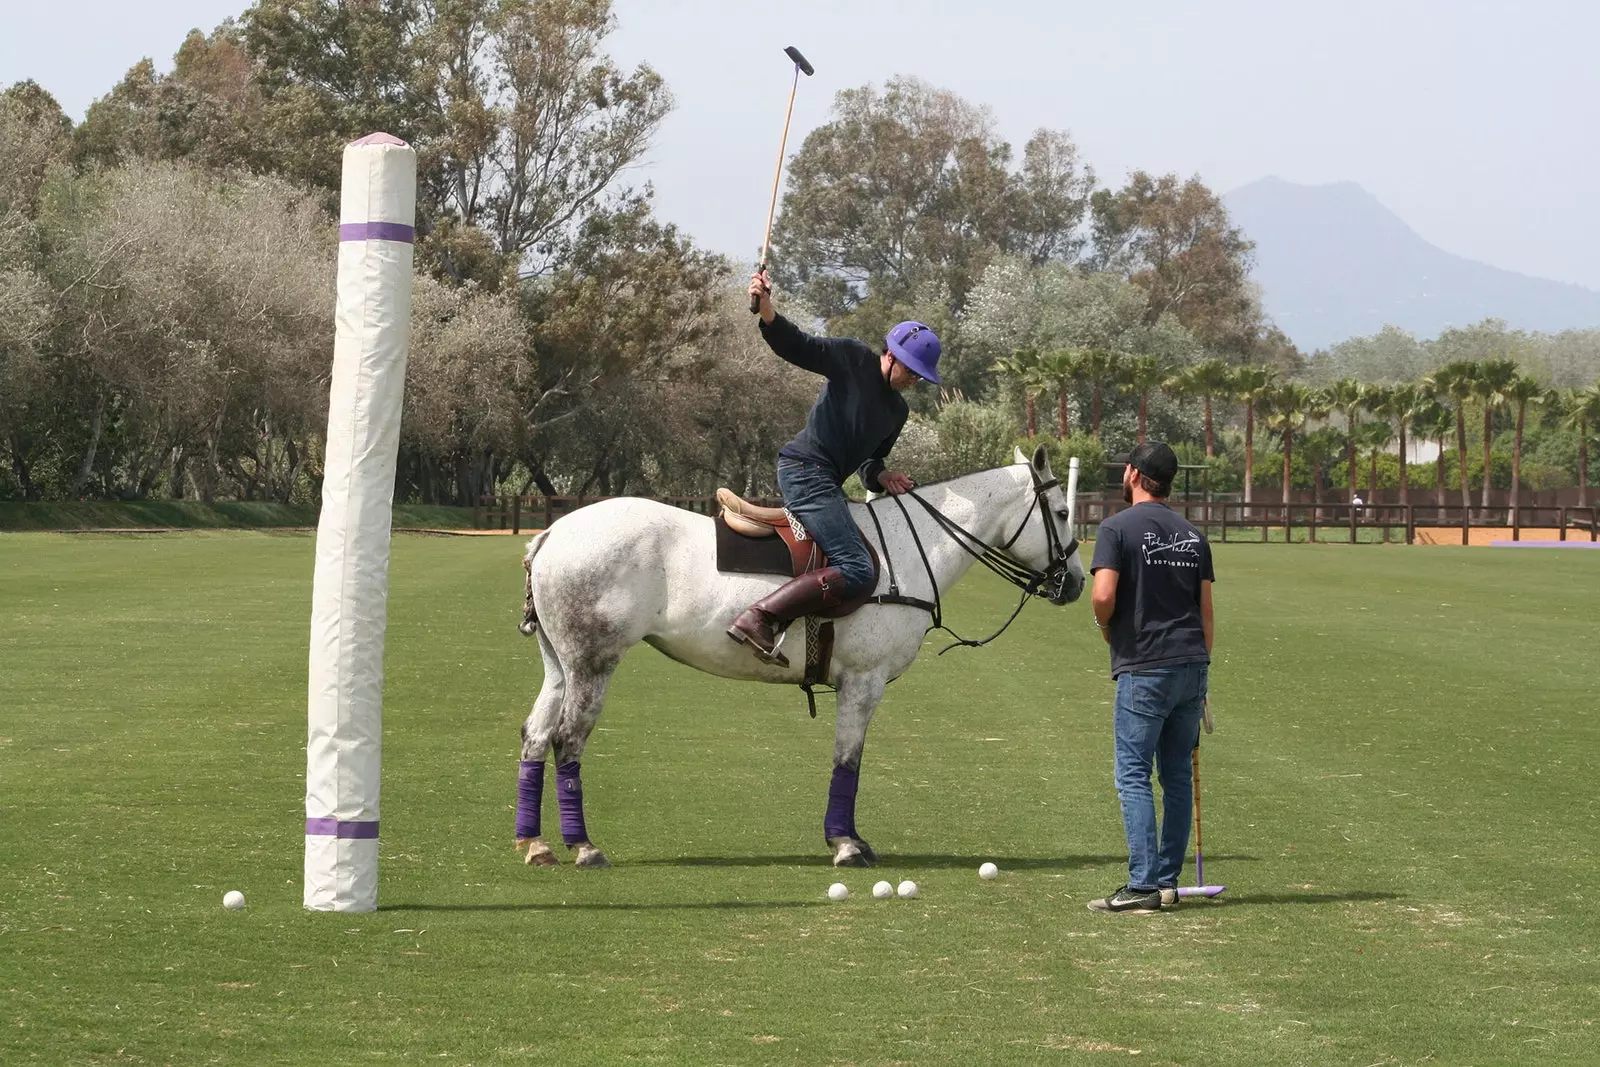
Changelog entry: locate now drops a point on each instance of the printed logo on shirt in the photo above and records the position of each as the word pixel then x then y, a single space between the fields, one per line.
pixel 1175 550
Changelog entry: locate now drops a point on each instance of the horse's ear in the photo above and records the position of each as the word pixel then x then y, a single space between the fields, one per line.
pixel 1041 459
pixel 1020 457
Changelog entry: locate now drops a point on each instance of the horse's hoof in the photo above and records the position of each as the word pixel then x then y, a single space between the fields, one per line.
pixel 538 853
pixel 866 850
pixel 847 854
pixel 591 857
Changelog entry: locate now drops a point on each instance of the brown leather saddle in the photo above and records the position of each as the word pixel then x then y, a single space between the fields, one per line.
pixel 752 539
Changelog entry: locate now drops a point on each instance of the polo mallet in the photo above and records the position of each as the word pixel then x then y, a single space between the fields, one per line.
pixel 800 66
pixel 1200 889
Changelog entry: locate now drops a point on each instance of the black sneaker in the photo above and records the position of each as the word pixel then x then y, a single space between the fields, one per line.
pixel 1127 901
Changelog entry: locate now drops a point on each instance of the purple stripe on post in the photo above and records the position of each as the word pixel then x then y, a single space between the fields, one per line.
pixel 359 831
pixel 377 231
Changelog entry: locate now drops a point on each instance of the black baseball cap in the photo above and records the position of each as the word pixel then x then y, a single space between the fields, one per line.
pixel 1155 461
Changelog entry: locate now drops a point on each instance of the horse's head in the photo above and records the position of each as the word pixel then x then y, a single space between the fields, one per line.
pixel 1056 551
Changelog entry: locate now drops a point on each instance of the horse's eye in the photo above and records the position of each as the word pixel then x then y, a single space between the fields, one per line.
pixel 1063 514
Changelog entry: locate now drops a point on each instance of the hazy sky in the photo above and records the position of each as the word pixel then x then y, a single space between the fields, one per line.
pixel 1476 122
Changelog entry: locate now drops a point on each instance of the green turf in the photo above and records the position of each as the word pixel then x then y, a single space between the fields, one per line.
pixel 1399 796
pixel 191 514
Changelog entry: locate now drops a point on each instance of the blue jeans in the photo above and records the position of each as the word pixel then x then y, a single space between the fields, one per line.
pixel 813 497
pixel 1157 721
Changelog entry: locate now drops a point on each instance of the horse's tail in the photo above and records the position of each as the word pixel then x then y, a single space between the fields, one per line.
pixel 530 613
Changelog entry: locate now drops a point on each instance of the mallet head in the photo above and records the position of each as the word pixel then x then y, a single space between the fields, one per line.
pixel 799 60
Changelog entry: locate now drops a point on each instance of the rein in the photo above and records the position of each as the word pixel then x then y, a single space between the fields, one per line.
pixel 998 559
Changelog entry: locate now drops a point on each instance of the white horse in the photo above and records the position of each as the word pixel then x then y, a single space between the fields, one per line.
pixel 625 570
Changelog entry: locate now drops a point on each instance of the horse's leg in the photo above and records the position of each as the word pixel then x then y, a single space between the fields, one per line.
pixel 585 696
pixel 859 695
pixel 536 734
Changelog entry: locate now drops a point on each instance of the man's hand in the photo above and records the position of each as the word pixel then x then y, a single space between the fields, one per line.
pixel 761 291
pixel 894 483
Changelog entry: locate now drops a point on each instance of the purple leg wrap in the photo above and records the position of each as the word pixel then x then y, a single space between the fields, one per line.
pixel 569 798
pixel 841 818
pixel 530 794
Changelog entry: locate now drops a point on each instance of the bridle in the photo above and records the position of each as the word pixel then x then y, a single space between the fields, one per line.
pixel 1050 582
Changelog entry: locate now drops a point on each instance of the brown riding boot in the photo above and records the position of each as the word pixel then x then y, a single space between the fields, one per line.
pixel 800 597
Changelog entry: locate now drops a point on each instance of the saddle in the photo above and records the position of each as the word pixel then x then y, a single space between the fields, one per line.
pixel 752 539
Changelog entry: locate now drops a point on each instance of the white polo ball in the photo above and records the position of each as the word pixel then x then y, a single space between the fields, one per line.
pixel 883 891
pixel 908 889
pixel 233 900
pixel 838 891
pixel 988 872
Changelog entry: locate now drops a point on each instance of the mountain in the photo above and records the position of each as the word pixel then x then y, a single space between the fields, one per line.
pixel 1333 262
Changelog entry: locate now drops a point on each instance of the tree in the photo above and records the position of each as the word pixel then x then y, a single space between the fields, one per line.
pixel 1457 380
pixel 1206 379
pixel 1519 393
pixel 1174 240
pixel 1024 367
pixel 1580 412
pixel 1376 437
pixel 1402 404
pixel 1056 372
pixel 1288 408
pixel 1097 368
pixel 909 188
pixel 1434 420
pixel 1348 396
pixel 1252 386
pixel 1319 449
pixel 1139 375
pixel 1495 378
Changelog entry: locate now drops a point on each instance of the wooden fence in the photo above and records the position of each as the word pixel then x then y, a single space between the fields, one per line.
pixel 1220 520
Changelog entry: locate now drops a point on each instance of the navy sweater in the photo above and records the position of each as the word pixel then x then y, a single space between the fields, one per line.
pixel 856 418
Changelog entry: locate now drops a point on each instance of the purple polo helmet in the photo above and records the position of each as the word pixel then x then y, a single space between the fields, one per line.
pixel 917 347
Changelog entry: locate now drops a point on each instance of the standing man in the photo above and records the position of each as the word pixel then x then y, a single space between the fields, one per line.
pixel 1152 602
pixel 852 426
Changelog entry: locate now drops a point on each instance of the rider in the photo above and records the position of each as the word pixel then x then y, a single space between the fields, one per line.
pixel 852 426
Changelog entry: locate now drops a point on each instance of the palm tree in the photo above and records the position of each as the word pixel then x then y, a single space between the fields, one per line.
pixel 1057 372
pixel 1457 381
pixel 1252 386
pixel 1522 391
pixel 1020 366
pixel 1320 448
pixel 1097 368
pixel 1140 374
pixel 1402 404
pixel 1580 411
pixel 1494 379
pixel 1434 421
pixel 1376 437
pixel 1349 397
pixel 1291 404
pixel 1206 379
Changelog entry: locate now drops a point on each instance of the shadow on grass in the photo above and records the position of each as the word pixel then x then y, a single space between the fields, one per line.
pixel 919 861
pixel 1357 896
pixel 700 905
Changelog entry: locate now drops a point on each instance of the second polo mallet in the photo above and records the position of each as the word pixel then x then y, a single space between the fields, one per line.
pixel 801 66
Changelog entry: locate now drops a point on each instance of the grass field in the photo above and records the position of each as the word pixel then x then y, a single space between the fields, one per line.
pixel 191 514
pixel 1400 796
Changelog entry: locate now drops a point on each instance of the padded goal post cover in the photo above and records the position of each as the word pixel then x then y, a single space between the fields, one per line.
pixel 350 588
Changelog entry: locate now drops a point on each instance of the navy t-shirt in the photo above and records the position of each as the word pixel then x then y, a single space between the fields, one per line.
pixel 1160 562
